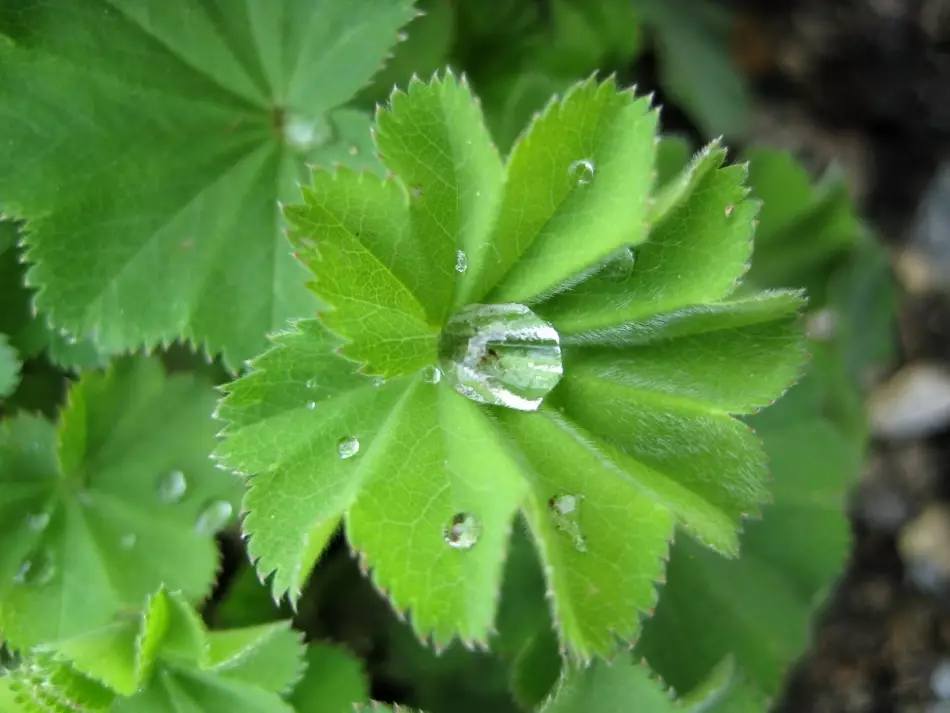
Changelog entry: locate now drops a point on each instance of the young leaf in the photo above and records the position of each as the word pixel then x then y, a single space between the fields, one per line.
pixel 9 367
pixel 164 659
pixel 186 124
pixel 603 428
pixel 94 506
pixel 41 685
pixel 334 682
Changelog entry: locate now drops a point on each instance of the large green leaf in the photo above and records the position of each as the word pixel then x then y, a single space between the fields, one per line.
pixel 149 143
pixel 334 682
pixel 638 435
pixel 93 507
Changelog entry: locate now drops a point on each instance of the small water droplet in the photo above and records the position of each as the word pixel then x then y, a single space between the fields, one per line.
pixel 462 532
pixel 432 375
pixel 378 381
pixel 565 511
pixel 415 192
pixel 311 405
pixel 172 487
pixel 582 171
pixel 348 447
pixel 38 522
pixel 503 355
pixel 311 383
pixel 461 261
pixel 353 151
pixel 127 541
pixel 729 209
pixel 620 265
pixel 36 570
pixel 85 498
pixel 214 516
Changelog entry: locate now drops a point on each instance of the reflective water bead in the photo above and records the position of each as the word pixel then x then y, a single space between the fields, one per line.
pixel 461 261
pixel 214 516
pixel 582 171
pixel 348 447
pixel 462 531
pixel 172 487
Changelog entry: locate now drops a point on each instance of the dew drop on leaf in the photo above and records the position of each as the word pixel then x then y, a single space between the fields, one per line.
pixel 504 355
pixel 620 266
pixel 462 531
pixel 582 171
pixel 348 447
pixel 213 517
pixel 127 541
pixel 564 511
pixel 311 405
pixel 432 375
pixel 38 522
pixel 36 570
pixel 172 487
pixel 311 383
pixel 461 261
pixel 415 192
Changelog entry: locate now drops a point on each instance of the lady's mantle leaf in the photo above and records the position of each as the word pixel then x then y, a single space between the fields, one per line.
pixel 638 435
pixel 93 508
pixel 166 660
pixel 149 144
pixel 39 684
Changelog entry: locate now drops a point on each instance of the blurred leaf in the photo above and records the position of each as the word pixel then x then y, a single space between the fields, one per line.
pixel 9 367
pixel 334 682
pixel 696 70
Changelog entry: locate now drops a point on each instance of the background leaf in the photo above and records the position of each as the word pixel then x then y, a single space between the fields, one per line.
pixel 233 102
pixel 92 504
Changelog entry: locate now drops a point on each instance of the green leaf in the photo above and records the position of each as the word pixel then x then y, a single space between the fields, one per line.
pixel 177 235
pixel 758 607
pixel 696 254
pixel 577 183
pixel 803 227
pixel 369 268
pixel 29 331
pixel 434 138
pixel 9 367
pixel 41 685
pixel 334 683
pixel 94 505
pixel 618 687
pixel 639 434
pixel 695 67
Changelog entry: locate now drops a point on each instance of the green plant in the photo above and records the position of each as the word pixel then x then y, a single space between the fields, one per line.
pixel 503 381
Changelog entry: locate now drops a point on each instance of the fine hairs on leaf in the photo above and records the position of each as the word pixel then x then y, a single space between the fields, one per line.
pixel 448 384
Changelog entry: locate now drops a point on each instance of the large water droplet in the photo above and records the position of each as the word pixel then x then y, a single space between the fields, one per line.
pixel 172 487
pixel 564 511
pixel 462 531
pixel 432 375
pixel 348 447
pixel 503 355
pixel 461 261
pixel 213 517
pixel 38 521
pixel 37 570
pixel 582 171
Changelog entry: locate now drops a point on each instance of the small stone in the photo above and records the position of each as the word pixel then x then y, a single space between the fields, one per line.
pixel 924 545
pixel 913 403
